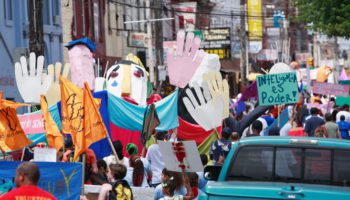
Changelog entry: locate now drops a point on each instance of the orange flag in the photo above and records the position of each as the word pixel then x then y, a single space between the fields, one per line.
pixel 72 109
pixel 1 94
pixel 12 136
pixel 93 127
pixel 53 134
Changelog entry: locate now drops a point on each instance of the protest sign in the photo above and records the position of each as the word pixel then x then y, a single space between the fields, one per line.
pixel 276 89
pixel 330 89
pixel 32 123
pixel 186 158
pixel 45 154
pixel 63 180
pixel 343 100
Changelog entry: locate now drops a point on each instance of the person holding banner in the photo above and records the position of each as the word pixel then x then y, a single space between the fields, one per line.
pixel 27 177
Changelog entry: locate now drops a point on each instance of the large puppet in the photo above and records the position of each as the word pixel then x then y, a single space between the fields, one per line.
pixel 125 79
pixel 81 62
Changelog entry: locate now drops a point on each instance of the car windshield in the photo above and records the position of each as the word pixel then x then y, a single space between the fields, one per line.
pixel 303 165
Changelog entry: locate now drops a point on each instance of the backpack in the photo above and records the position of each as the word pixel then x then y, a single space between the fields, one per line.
pixel 120 190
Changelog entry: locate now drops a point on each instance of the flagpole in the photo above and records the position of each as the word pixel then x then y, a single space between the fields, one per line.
pixel 278 116
pixel 83 171
pixel 23 151
pixel 112 147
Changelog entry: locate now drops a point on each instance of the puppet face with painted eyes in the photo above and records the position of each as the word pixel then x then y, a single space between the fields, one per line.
pixel 126 79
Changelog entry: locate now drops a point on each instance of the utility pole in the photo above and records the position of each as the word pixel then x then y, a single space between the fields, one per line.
pixel 36 33
pixel 243 42
pixel 159 35
pixel 149 42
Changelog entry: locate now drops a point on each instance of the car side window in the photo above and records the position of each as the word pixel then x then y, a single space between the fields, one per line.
pixel 317 166
pixel 341 166
pixel 252 163
pixel 288 163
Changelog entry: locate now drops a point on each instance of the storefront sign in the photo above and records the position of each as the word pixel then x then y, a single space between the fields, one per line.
pixel 137 40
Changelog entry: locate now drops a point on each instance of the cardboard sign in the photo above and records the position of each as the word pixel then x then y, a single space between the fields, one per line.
pixel 330 89
pixel 45 154
pixel 276 89
pixel 191 161
pixel 343 100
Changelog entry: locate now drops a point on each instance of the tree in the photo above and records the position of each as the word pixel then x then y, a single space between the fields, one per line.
pixel 330 17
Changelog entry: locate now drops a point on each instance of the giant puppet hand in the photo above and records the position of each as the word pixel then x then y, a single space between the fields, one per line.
pixel 206 113
pixel 33 84
pixel 183 64
pixel 218 87
pixel 53 95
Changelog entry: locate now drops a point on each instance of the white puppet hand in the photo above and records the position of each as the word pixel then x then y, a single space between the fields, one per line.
pixel 218 87
pixel 183 64
pixel 208 113
pixel 33 84
pixel 53 95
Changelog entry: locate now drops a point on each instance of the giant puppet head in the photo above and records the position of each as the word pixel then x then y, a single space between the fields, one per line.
pixel 128 80
pixel 81 62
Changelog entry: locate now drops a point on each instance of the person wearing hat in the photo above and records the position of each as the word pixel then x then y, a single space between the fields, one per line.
pixel 221 147
pixel 132 152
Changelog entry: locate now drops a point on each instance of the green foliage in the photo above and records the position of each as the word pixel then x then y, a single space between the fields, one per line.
pixel 331 17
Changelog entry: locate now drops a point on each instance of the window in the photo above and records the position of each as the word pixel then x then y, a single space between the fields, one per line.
pixel 341 166
pixel 46 12
pixel 288 163
pixel 301 165
pixel 8 11
pixel 317 165
pixel 253 163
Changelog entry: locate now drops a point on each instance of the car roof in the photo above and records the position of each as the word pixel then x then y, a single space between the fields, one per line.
pixel 295 141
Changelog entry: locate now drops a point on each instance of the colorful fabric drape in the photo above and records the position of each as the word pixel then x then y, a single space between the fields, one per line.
pixel 125 136
pixel 128 116
pixel 188 131
pixel 53 134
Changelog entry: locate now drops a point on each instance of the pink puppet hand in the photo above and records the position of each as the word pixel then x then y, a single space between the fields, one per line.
pixel 183 64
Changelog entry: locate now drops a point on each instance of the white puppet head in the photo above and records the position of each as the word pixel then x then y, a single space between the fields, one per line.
pixel 127 79
pixel 210 63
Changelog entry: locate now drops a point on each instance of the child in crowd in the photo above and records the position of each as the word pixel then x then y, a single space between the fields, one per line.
pixel 117 187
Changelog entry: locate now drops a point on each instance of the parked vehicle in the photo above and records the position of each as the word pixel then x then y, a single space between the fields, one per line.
pixel 282 168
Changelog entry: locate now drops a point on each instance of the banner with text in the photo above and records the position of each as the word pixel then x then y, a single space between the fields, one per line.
pixel 63 180
pixel 276 89
pixel 330 89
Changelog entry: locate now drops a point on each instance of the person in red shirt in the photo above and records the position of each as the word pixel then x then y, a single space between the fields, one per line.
pixel 27 177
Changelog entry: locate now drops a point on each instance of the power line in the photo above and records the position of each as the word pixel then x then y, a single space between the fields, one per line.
pixel 191 12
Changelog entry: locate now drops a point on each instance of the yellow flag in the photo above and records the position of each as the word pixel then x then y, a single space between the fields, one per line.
pixel 93 127
pixel 53 134
pixel 12 136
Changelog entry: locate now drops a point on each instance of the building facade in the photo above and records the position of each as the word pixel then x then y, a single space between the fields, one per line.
pixel 14 39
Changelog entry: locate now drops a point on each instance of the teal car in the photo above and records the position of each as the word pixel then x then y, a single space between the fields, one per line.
pixel 282 168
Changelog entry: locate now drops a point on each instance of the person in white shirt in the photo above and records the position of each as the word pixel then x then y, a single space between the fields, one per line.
pixel 155 160
pixel 345 112
pixel 111 159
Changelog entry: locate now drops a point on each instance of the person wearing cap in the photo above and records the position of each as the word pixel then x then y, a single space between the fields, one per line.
pixel 221 147
pixel 134 160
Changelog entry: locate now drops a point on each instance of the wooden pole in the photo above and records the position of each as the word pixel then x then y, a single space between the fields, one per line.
pixel 278 116
pixel 112 147
pixel 23 151
pixel 83 171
